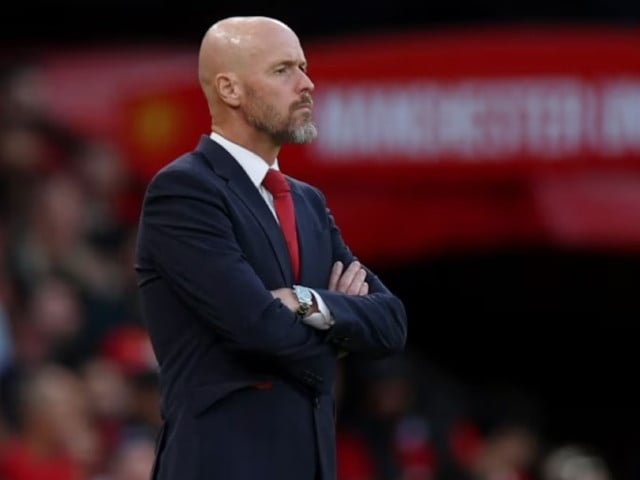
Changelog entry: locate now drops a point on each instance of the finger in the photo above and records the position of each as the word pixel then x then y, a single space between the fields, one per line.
pixel 348 276
pixel 357 282
pixel 336 271
pixel 364 289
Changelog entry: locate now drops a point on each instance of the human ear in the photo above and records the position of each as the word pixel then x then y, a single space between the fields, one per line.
pixel 228 88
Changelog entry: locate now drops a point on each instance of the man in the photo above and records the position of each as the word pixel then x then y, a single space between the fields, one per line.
pixel 247 363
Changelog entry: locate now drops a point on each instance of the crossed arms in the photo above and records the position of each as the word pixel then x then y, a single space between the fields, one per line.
pixel 190 237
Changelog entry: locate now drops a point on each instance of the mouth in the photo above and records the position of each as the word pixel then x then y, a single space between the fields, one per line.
pixel 303 105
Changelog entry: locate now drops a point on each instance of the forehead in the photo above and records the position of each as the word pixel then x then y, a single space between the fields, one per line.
pixel 274 47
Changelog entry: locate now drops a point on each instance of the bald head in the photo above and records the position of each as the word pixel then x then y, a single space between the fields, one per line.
pixel 254 74
pixel 231 45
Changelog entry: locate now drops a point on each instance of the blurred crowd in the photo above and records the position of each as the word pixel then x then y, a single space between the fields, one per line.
pixel 78 380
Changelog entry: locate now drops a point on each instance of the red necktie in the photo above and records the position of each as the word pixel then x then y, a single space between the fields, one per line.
pixel 277 185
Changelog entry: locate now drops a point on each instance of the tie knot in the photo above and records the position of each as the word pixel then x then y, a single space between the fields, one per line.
pixel 275 182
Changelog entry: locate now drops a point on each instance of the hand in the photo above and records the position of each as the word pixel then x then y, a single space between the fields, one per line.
pixel 287 297
pixel 351 281
pixel 290 300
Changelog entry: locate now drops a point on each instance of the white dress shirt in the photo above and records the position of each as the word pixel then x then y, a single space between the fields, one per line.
pixel 256 168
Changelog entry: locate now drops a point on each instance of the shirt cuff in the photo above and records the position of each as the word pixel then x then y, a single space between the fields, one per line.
pixel 322 308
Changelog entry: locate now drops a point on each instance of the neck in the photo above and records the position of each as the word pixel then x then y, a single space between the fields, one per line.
pixel 253 141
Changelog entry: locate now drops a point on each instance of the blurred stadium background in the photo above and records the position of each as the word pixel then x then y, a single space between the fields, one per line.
pixel 483 157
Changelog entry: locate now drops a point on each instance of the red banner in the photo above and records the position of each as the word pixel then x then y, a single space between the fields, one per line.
pixel 428 142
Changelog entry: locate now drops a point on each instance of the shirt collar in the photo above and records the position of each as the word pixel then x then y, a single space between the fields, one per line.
pixel 255 167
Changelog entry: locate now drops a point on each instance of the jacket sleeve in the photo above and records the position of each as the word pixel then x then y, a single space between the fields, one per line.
pixel 190 240
pixel 375 323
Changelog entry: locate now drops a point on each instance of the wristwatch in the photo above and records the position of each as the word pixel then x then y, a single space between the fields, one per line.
pixel 305 299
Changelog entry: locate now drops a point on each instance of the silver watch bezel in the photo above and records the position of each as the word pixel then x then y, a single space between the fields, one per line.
pixel 305 299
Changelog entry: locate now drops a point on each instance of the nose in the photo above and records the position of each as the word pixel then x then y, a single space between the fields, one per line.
pixel 306 83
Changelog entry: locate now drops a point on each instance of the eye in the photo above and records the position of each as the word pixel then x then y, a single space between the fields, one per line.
pixel 280 70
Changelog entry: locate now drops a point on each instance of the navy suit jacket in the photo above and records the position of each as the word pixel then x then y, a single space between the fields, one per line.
pixel 209 251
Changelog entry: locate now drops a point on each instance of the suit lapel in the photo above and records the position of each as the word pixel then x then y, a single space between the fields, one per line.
pixel 246 191
pixel 242 187
pixel 304 229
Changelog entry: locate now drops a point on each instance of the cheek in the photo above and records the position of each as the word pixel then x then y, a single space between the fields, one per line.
pixel 278 94
pixel 269 101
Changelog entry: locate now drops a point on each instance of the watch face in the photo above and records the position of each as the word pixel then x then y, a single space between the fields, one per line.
pixel 303 294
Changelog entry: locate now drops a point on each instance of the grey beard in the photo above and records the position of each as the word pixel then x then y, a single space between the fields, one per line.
pixel 298 135
pixel 303 134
